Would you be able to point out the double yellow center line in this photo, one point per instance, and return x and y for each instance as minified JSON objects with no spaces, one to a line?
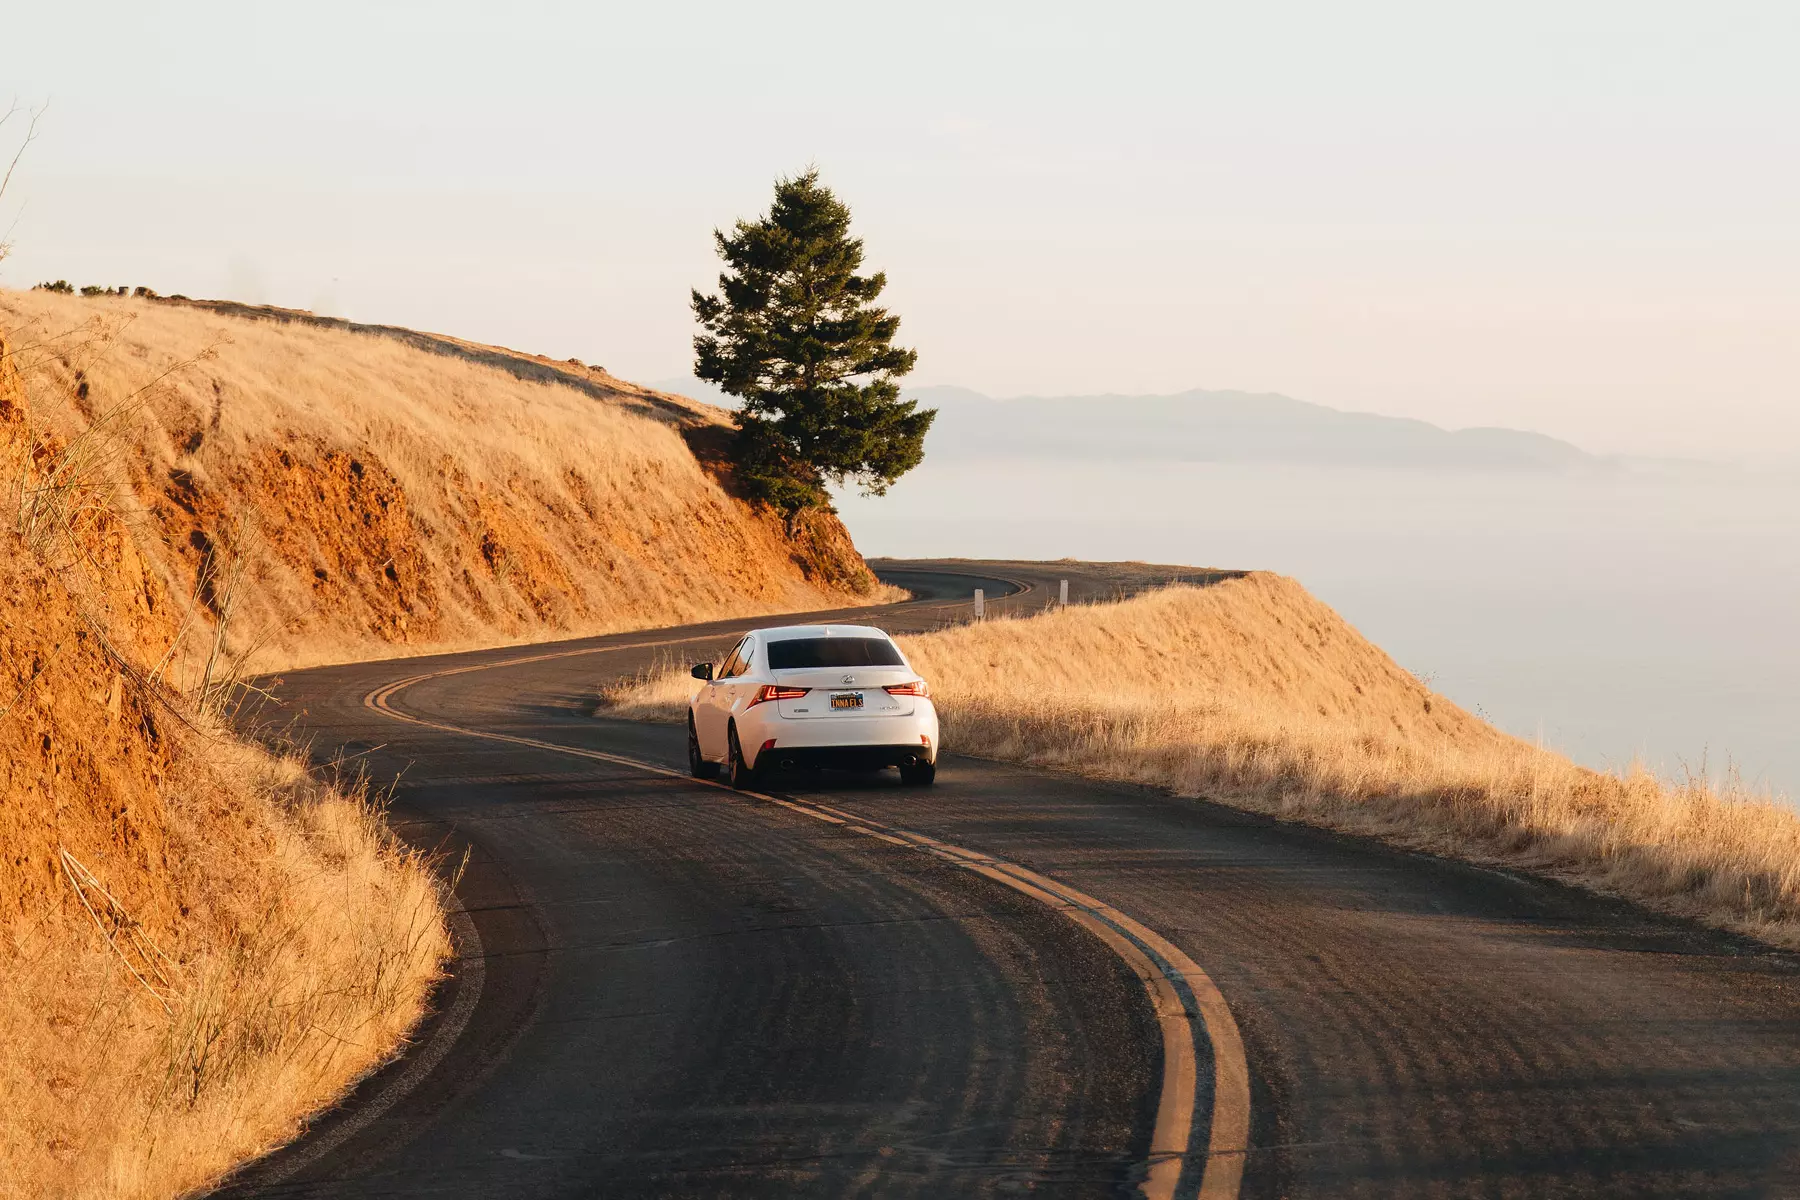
{"x":1187,"y":1003}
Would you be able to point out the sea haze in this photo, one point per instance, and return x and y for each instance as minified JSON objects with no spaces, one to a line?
{"x":1615,"y":609}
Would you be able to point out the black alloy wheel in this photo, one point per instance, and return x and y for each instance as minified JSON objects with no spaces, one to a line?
{"x":742,"y":774}
{"x":697,"y":765}
{"x":919,"y":774}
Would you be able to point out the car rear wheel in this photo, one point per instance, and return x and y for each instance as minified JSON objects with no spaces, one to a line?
{"x":743,"y":775}
{"x":919,"y":774}
{"x":697,"y":764}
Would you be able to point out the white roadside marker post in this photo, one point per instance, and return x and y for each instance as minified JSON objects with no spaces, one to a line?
{"x":980,"y":604}
{"x":1062,"y":595}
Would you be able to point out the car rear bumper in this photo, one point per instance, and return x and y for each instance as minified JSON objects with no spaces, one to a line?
{"x":832,"y":741}
{"x":843,"y":758}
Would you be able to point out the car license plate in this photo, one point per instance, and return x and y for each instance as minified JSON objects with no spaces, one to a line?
{"x":846,"y":700}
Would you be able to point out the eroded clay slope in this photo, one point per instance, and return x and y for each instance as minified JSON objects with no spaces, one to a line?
{"x":201,"y":943}
{"x":392,"y":495}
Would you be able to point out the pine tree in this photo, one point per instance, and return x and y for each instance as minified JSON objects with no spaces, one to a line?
{"x":796,"y":335}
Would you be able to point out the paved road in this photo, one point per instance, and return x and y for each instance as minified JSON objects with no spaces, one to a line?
{"x":671,"y":990}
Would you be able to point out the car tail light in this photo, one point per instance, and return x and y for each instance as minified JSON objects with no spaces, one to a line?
{"x":917,"y":687}
{"x":774,"y":691}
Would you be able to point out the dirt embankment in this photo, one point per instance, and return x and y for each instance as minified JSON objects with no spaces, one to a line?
{"x":199,"y":943}
{"x":395,"y":494}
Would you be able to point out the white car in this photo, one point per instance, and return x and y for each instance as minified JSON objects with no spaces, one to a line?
{"x":812,"y":696}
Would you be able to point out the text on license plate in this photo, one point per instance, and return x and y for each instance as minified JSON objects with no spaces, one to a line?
{"x":846,"y":700}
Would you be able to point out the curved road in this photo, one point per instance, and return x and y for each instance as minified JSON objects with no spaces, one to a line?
{"x":668,"y":989}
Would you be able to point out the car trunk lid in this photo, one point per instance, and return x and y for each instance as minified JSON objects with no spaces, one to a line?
{"x":843,"y":692}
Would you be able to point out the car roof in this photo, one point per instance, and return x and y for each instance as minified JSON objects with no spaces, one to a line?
{"x":783,"y":633}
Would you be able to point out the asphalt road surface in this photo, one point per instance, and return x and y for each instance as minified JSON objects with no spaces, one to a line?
{"x":847,"y":987}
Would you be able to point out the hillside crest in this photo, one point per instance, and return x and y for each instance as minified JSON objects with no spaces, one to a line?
{"x":340,"y":491}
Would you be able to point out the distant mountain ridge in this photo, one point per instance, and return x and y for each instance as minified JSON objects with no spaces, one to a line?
{"x":1219,"y":426}
{"x":1207,"y":426}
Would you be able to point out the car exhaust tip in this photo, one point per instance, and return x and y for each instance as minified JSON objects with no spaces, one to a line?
{"x":787,"y":764}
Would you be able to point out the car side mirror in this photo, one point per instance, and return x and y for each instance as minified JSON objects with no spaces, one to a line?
{"x":701,"y":671}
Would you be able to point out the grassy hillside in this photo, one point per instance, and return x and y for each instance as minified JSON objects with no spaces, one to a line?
{"x":388,"y":492}
{"x":200,"y":943}
{"x":1253,"y":693}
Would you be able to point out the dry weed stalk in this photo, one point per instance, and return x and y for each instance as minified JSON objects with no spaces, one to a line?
{"x":128,"y":939}
{"x":31,"y":132}
{"x":70,"y":487}
{"x":225,"y":680}
{"x":65,"y":492}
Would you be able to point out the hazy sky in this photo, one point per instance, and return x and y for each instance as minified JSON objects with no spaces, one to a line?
{"x":1582,"y":218}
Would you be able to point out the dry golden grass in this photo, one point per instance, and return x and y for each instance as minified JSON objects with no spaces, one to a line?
{"x":389,"y":500}
{"x":199,"y":943}
{"x":306,"y":952}
{"x":658,"y":693}
{"x":1253,"y":693}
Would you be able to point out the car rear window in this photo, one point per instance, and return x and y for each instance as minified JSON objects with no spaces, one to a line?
{"x":800,"y":653}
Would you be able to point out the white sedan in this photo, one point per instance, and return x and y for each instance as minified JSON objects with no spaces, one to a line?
{"x":812,"y":696}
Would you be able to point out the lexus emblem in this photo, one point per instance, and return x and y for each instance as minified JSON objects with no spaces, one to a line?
{"x":849,"y":679}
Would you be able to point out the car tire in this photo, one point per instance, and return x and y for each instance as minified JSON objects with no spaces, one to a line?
{"x":919,"y":774}
{"x":697,"y":764}
{"x":741,"y":774}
